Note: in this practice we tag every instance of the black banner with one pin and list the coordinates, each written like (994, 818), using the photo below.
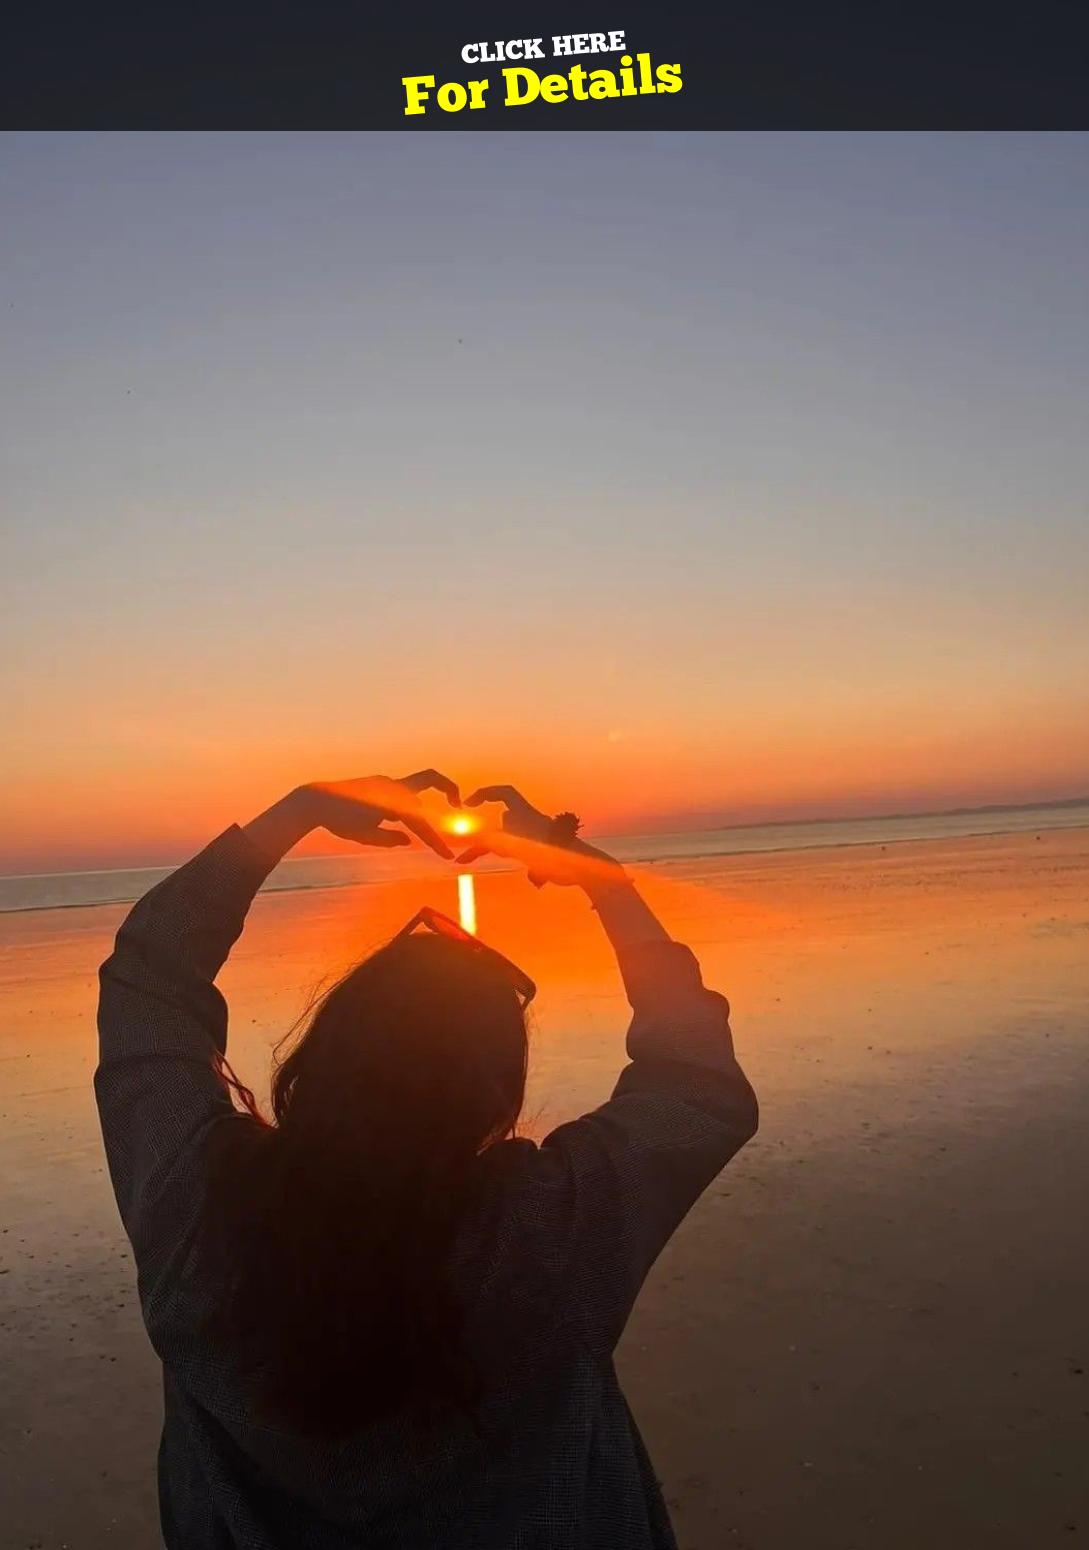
(328, 67)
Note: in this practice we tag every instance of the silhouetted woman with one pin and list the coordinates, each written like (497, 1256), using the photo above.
(382, 1320)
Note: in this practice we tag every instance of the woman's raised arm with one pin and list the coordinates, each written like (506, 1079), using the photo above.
(163, 1023)
(604, 1193)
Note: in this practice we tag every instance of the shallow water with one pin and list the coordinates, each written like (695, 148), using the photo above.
(67, 890)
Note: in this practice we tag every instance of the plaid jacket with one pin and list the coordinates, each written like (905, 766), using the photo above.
(549, 1267)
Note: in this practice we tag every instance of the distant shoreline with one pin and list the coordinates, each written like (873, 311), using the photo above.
(664, 828)
(308, 874)
(799, 823)
(904, 839)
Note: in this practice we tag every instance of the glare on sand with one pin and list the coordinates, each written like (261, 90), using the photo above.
(912, 1020)
(467, 902)
(462, 824)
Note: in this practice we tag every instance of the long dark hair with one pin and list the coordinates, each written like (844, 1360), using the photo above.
(332, 1226)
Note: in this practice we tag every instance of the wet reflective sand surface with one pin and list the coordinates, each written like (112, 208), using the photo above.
(869, 1333)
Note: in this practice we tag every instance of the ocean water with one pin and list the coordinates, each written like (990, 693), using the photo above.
(68, 890)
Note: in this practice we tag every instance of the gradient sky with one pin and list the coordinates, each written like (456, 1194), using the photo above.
(669, 476)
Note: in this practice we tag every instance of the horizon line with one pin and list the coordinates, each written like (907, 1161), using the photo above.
(878, 817)
(665, 820)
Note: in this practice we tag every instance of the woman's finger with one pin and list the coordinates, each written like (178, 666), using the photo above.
(496, 842)
(513, 799)
(433, 780)
(423, 829)
(385, 839)
(474, 853)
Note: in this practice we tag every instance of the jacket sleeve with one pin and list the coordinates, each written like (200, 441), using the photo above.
(609, 1189)
(161, 1024)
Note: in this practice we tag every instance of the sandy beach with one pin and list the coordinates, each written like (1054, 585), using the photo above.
(869, 1335)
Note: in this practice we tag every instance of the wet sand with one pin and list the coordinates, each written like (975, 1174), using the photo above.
(869, 1335)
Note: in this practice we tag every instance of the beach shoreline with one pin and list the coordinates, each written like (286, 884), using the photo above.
(869, 1332)
(349, 867)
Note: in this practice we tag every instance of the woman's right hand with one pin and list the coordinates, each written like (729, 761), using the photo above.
(359, 809)
(526, 834)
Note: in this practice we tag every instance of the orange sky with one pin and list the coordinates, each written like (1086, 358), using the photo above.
(674, 483)
(133, 804)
